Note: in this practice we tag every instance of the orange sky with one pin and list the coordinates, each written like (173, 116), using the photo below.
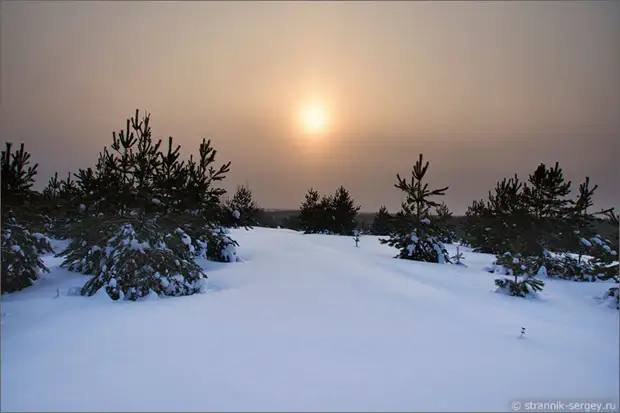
(483, 89)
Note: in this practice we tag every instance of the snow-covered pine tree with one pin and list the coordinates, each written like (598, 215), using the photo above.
(21, 248)
(135, 245)
(605, 257)
(518, 280)
(209, 237)
(242, 204)
(414, 234)
(382, 222)
(344, 212)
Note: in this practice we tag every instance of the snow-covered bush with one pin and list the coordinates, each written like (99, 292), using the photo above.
(220, 247)
(21, 252)
(423, 245)
(138, 261)
(575, 268)
(605, 261)
(520, 269)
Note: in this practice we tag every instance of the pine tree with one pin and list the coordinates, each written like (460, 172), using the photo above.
(509, 217)
(578, 228)
(545, 198)
(605, 257)
(382, 222)
(21, 248)
(520, 268)
(135, 235)
(458, 258)
(309, 212)
(325, 219)
(241, 209)
(444, 219)
(477, 227)
(415, 235)
(344, 212)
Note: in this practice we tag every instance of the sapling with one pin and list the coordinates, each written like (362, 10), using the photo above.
(356, 237)
(458, 257)
(522, 332)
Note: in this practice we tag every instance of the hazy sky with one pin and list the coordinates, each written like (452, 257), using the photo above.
(483, 89)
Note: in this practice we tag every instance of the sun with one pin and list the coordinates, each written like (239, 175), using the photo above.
(313, 118)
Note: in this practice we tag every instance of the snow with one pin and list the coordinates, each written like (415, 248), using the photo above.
(309, 322)
(542, 272)
(586, 242)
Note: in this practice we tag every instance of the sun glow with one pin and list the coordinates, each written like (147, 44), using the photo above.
(313, 119)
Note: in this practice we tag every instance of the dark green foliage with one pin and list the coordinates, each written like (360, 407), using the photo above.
(17, 177)
(545, 198)
(21, 247)
(145, 216)
(329, 214)
(21, 253)
(344, 211)
(415, 234)
(241, 210)
(605, 258)
(309, 216)
(605, 254)
(523, 283)
(382, 223)
(444, 219)
(492, 226)
(535, 217)
(138, 260)
(477, 233)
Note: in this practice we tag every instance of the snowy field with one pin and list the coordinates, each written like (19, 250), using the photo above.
(309, 323)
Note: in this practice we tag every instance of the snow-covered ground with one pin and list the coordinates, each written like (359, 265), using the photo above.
(309, 323)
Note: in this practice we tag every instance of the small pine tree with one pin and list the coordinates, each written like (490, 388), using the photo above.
(476, 227)
(545, 197)
(381, 223)
(414, 233)
(356, 237)
(133, 238)
(444, 219)
(21, 249)
(605, 258)
(458, 258)
(309, 217)
(579, 228)
(242, 210)
(344, 212)
(522, 284)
